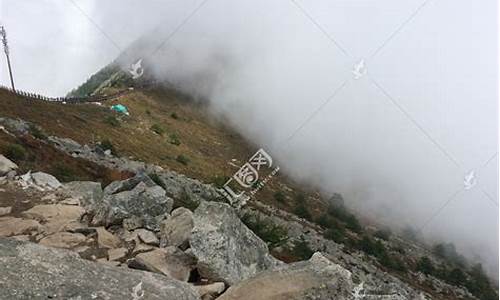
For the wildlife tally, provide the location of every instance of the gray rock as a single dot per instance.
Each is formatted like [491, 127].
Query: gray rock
[16, 126]
[169, 261]
[106, 239]
[148, 203]
[6, 165]
[225, 248]
[88, 192]
[5, 210]
[11, 175]
[147, 237]
[67, 144]
[179, 186]
[117, 254]
[128, 184]
[210, 291]
[133, 222]
[317, 278]
[176, 230]
[63, 240]
[31, 271]
[45, 181]
[10, 226]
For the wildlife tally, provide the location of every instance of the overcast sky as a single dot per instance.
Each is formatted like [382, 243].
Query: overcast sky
[397, 142]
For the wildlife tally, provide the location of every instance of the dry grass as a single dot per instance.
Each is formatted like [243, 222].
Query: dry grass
[205, 141]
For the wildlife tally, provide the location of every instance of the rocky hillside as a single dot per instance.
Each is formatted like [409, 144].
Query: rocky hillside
[128, 206]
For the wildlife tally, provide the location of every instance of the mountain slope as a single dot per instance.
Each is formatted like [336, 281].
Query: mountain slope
[168, 129]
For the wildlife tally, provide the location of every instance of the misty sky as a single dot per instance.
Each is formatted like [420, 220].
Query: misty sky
[397, 142]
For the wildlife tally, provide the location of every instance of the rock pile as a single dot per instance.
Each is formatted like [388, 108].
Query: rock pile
[131, 224]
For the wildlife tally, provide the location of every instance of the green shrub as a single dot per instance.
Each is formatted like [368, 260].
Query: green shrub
[279, 196]
[370, 247]
[174, 139]
[158, 129]
[325, 221]
[37, 132]
[15, 152]
[301, 211]
[479, 284]
[219, 181]
[107, 145]
[112, 121]
[425, 266]
[302, 250]
[156, 179]
[182, 159]
[335, 234]
[341, 213]
[392, 262]
[352, 223]
[63, 173]
[383, 234]
[449, 252]
[274, 235]
[185, 200]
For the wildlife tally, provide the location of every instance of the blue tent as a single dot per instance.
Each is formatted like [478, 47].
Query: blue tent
[120, 108]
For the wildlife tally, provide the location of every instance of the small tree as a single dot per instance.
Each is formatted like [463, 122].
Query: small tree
[425, 266]
[302, 250]
[279, 196]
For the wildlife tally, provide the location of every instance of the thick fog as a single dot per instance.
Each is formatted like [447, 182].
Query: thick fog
[396, 137]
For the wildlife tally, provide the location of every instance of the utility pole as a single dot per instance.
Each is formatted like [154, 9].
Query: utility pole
[3, 34]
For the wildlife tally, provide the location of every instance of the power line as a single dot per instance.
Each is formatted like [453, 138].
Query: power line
[3, 34]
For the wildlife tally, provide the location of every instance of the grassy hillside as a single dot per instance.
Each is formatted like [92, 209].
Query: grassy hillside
[170, 130]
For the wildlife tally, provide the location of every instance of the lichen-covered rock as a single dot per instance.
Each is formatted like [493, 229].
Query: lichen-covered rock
[317, 278]
[45, 181]
[169, 261]
[128, 184]
[148, 203]
[226, 249]
[106, 239]
[31, 271]
[63, 240]
[89, 193]
[46, 212]
[10, 226]
[176, 230]
[179, 186]
[6, 165]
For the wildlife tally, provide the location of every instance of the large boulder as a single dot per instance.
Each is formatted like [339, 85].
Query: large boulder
[45, 181]
[47, 212]
[10, 226]
[226, 249]
[31, 271]
[176, 230]
[89, 193]
[150, 204]
[169, 261]
[56, 217]
[179, 186]
[128, 184]
[6, 165]
[16, 126]
[63, 240]
[317, 278]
